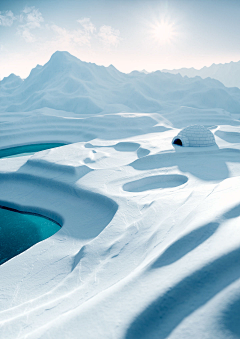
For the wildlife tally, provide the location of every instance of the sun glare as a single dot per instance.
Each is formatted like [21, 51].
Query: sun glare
[163, 32]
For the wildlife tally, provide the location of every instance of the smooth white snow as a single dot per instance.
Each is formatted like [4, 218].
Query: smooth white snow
[150, 243]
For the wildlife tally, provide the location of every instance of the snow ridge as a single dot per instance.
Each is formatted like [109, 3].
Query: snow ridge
[86, 88]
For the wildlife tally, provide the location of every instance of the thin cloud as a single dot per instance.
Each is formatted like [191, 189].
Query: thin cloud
[84, 36]
[26, 35]
[30, 21]
[31, 18]
[109, 36]
[87, 25]
[7, 18]
[79, 37]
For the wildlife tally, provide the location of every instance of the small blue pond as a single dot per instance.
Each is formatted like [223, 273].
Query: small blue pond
[20, 230]
[26, 149]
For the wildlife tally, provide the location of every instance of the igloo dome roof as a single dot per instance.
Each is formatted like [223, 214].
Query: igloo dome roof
[195, 136]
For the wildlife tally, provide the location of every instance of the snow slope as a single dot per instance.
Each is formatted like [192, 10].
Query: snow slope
[66, 83]
[228, 74]
[150, 243]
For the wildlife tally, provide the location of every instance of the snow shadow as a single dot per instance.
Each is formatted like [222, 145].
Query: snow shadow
[231, 137]
[232, 213]
[231, 318]
[142, 152]
[155, 182]
[125, 147]
[131, 147]
[186, 244]
[205, 164]
[119, 126]
[192, 240]
[165, 313]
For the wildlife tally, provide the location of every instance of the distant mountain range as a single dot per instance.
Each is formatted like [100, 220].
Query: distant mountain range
[69, 84]
[228, 74]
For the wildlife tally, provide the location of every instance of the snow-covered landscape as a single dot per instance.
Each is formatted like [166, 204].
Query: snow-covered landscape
[228, 73]
[119, 182]
[149, 245]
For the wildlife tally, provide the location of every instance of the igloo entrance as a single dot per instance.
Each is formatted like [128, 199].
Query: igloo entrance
[177, 142]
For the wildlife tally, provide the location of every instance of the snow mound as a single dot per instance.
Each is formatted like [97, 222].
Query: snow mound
[194, 136]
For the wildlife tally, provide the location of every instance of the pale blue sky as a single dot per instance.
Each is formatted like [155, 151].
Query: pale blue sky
[119, 32]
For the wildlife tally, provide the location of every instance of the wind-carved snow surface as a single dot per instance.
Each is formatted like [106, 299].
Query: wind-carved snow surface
[150, 242]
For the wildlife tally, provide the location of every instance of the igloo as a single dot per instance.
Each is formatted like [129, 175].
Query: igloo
[194, 136]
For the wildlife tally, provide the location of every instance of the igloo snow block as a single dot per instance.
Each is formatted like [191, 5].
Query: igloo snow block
[194, 136]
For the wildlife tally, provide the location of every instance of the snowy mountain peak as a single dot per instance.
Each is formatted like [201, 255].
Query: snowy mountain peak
[10, 83]
[67, 83]
[12, 77]
[62, 56]
[228, 73]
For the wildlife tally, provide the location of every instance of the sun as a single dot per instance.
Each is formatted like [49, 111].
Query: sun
[163, 32]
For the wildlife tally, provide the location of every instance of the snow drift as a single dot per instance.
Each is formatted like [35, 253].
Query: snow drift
[149, 245]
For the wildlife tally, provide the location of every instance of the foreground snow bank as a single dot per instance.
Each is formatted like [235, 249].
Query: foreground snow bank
[150, 244]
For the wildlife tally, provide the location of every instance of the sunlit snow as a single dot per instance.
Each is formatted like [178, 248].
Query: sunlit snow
[150, 241]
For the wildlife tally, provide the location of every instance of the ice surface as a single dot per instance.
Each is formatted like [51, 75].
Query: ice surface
[26, 150]
[20, 231]
[150, 244]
